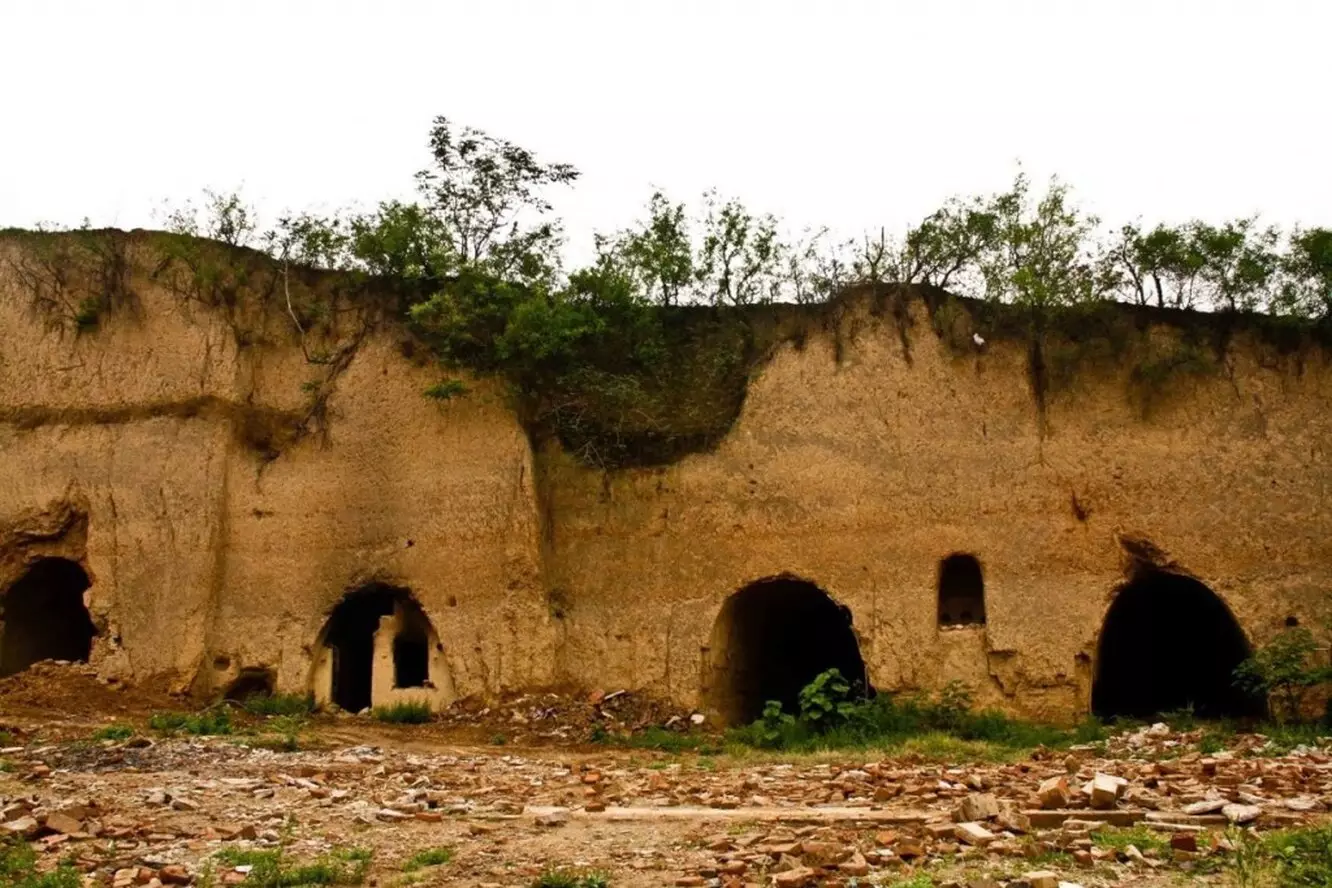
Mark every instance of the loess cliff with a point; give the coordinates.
(204, 489)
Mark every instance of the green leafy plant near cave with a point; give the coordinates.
(1285, 671)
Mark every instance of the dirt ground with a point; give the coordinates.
(151, 809)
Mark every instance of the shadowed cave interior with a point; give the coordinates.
(1168, 644)
(351, 635)
(43, 617)
(771, 639)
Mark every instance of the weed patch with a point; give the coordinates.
(563, 878)
(272, 869)
(113, 732)
(428, 857)
(210, 722)
(942, 726)
(279, 704)
(18, 869)
(404, 713)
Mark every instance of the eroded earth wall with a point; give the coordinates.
(208, 556)
(860, 460)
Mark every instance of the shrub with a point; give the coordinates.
(18, 869)
(1284, 671)
(1303, 857)
(404, 713)
(563, 878)
(827, 700)
(113, 732)
(943, 719)
(279, 704)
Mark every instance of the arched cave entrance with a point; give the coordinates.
(382, 619)
(42, 616)
(770, 640)
(254, 681)
(961, 591)
(1169, 643)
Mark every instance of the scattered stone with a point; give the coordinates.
(1036, 879)
(62, 823)
(1105, 791)
(1241, 814)
(1054, 793)
(557, 817)
(976, 807)
(800, 877)
(973, 834)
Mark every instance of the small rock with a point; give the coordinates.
(1239, 814)
(1054, 793)
(557, 817)
(1183, 841)
(1206, 806)
(973, 834)
(63, 823)
(800, 877)
(174, 875)
(1037, 879)
(855, 865)
(1104, 791)
(977, 807)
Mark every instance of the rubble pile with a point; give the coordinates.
(155, 812)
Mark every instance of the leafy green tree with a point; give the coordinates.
(488, 198)
(948, 244)
(1040, 255)
(1239, 262)
(1306, 272)
(1160, 266)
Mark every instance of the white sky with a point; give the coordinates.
(847, 114)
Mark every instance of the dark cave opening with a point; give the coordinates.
(253, 681)
(961, 591)
(411, 657)
(1169, 644)
(771, 639)
(350, 634)
(43, 617)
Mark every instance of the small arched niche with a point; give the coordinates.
(378, 648)
(771, 639)
(961, 591)
(1169, 643)
(43, 617)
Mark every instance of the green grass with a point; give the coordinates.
(564, 878)
(18, 869)
(5, 766)
(920, 880)
(8, 739)
(113, 732)
(1301, 858)
(272, 869)
(279, 704)
(914, 724)
(207, 723)
(404, 713)
(1140, 837)
(428, 857)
